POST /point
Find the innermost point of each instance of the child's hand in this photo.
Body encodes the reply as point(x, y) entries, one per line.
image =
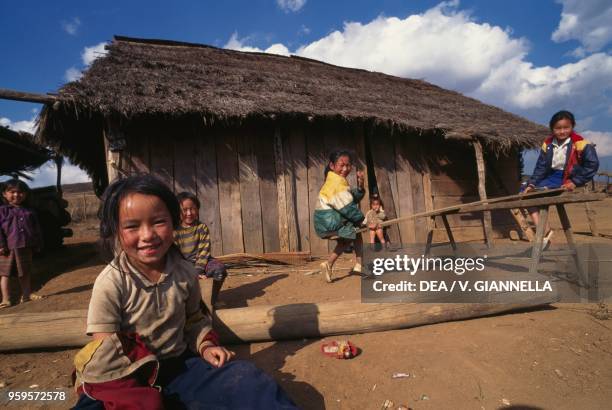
point(569, 186)
point(202, 276)
point(217, 355)
point(3, 251)
point(360, 179)
point(529, 188)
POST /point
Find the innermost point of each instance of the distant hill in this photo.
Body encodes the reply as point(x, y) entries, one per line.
point(78, 188)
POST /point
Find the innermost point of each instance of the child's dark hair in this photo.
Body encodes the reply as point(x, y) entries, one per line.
point(15, 184)
point(121, 188)
point(376, 198)
point(562, 115)
point(334, 156)
point(188, 195)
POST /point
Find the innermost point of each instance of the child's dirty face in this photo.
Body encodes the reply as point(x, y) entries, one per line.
point(145, 230)
point(562, 129)
point(189, 212)
point(376, 206)
point(14, 196)
point(342, 166)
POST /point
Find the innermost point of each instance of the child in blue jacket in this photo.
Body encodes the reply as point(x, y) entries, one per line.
point(566, 160)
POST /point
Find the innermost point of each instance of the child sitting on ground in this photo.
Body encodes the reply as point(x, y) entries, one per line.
point(20, 237)
point(153, 347)
point(193, 240)
point(374, 217)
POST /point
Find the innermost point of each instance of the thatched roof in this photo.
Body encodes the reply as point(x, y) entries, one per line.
point(19, 152)
point(154, 77)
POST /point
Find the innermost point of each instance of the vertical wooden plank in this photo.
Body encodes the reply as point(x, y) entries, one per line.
point(428, 197)
point(184, 160)
point(416, 163)
point(139, 154)
point(317, 160)
point(249, 195)
point(266, 170)
point(358, 137)
point(404, 171)
point(229, 194)
point(207, 186)
point(298, 163)
point(383, 155)
point(290, 190)
point(482, 191)
point(279, 161)
point(161, 149)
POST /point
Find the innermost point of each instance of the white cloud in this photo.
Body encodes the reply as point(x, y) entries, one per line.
point(71, 27)
point(443, 45)
point(290, 5)
point(89, 54)
point(518, 84)
point(235, 43)
point(603, 141)
point(25, 125)
point(73, 74)
point(47, 175)
point(304, 30)
point(587, 22)
point(448, 47)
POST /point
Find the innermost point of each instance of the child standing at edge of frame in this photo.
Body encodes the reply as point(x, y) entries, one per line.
point(374, 217)
point(337, 212)
point(20, 237)
point(566, 160)
point(193, 240)
point(153, 348)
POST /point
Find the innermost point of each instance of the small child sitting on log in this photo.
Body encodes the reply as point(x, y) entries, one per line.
point(193, 240)
point(374, 217)
point(337, 212)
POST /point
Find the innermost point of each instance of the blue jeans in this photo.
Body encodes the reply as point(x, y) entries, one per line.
point(188, 382)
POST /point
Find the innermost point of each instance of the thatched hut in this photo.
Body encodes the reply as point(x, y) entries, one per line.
point(249, 133)
point(19, 153)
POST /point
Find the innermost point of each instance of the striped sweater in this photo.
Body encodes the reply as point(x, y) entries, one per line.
point(194, 243)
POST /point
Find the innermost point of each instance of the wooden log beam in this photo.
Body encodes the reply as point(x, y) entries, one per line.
point(570, 198)
point(261, 323)
point(13, 95)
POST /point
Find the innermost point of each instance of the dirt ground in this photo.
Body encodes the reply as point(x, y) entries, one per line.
point(557, 357)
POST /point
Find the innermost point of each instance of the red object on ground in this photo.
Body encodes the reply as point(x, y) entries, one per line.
point(340, 349)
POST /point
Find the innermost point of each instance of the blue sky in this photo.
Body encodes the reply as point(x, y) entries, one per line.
point(528, 57)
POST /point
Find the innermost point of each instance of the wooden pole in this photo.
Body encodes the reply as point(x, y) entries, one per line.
point(283, 222)
point(7, 94)
point(482, 192)
point(485, 202)
point(261, 323)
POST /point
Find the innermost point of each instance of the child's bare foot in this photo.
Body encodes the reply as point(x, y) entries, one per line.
point(32, 296)
point(6, 304)
point(326, 270)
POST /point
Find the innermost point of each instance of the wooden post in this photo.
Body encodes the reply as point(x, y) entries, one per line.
point(536, 250)
point(283, 223)
point(114, 144)
point(482, 192)
point(431, 222)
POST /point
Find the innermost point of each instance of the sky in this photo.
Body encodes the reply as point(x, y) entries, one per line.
point(532, 58)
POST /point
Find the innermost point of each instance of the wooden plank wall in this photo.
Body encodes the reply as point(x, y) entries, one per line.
point(234, 174)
